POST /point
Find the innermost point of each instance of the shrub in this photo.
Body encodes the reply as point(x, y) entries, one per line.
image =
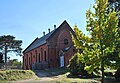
point(117, 75)
point(76, 67)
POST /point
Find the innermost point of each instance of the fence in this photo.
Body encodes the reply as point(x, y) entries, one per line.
point(6, 66)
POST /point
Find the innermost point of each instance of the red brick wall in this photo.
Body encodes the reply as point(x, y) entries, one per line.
point(52, 47)
point(57, 43)
point(34, 58)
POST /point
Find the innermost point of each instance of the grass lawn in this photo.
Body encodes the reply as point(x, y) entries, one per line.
point(60, 75)
point(65, 79)
point(56, 75)
point(13, 75)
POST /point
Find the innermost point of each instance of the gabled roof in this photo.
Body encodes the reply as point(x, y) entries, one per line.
point(37, 42)
point(40, 41)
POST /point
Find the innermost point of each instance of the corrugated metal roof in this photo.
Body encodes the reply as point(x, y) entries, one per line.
point(38, 41)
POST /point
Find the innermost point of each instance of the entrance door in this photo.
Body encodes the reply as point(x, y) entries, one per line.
point(62, 61)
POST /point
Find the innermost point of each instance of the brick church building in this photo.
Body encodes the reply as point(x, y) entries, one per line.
point(53, 49)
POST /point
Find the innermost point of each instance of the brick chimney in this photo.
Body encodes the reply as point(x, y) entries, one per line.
point(43, 33)
point(54, 27)
point(49, 30)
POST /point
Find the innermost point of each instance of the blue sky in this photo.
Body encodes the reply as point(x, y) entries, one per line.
point(28, 19)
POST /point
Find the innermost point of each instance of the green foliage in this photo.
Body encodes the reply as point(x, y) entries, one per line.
point(8, 43)
point(16, 63)
point(117, 75)
point(102, 39)
point(76, 67)
point(115, 5)
point(103, 29)
point(115, 56)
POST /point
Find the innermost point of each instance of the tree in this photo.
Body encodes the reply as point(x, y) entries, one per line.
point(1, 58)
point(102, 39)
point(115, 4)
point(8, 43)
point(104, 31)
point(76, 67)
point(16, 62)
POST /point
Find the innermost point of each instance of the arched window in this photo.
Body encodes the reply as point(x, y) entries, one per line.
point(26, 62)
point(44, 55)
point(39, 57)
point(41, 54)
point(36, 55)
point(31, 57)
point(29, 61)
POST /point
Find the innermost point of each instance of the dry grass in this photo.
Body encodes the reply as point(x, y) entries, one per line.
point(12, 75)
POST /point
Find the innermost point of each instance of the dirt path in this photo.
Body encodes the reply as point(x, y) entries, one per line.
point(40, 80)
point(42, 77)
point(53, 77)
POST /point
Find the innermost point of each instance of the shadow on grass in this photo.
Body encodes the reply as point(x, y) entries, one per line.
point(82, 76)
point(50, 72)
point(60, 71)
point(97, 78)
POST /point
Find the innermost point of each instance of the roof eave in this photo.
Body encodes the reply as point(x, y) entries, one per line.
point(30, 45)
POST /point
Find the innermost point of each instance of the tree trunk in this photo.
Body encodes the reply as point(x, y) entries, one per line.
point(102, 69)
point(5, 54)
point(5, 57)
point(102, 62)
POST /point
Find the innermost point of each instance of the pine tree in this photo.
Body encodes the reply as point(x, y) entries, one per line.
point(8, 43)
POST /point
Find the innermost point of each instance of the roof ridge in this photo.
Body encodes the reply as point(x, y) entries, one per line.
point(42, 40)
point(47, 34)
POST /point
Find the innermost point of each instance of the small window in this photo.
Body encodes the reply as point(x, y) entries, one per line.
point(44, 55)
point(24, 61)
point(29, 60)
point(36, 55)
point(31, 57)
point(39, 57)
point(66, 41)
